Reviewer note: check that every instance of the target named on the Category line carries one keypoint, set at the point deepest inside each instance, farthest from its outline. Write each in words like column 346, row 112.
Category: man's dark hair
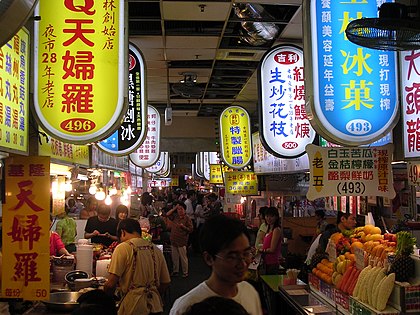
column 181, row 203
column 128, row 225
column 216, row 305
column 219, row 231
column 104, row 209
column 191, row 193
column 342, row 215
column 320, row 213
column 263, row 210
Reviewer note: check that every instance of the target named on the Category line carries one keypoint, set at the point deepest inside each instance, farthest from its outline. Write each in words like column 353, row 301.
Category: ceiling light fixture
column 202, row 7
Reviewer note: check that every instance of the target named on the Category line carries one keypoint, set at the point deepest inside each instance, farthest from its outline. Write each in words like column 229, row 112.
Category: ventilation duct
column 255, row 33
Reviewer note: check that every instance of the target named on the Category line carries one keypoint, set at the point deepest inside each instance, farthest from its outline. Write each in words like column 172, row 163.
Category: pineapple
column 403, row 265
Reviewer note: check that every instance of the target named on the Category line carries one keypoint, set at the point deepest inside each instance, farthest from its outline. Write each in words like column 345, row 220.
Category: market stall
column 367, row 272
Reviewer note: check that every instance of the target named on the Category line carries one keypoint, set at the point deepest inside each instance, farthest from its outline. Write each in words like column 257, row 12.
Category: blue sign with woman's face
column 351, row 91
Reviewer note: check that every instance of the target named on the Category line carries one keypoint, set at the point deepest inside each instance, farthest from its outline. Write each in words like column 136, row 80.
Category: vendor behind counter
column 302, row 231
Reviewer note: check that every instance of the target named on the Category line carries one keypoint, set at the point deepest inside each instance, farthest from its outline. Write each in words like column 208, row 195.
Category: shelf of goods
column 365, row 272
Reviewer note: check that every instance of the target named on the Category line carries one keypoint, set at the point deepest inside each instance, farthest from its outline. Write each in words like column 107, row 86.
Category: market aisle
column 198, row 272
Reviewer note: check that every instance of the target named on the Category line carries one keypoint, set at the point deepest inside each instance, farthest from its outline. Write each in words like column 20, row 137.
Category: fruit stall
column 366, row 272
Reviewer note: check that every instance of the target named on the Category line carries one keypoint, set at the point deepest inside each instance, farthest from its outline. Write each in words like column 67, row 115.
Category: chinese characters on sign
column 149, row 151
column 351, row 91
column 80, row 68
column 14, row 92
column 216, row 174
column 243, row 183
column 284, row 126
column 129, row 136
column 26, row 223
column 160, row 164
column 56, row 149
column 410, row 83
column 265, row 163
column 235, row 137
column 350, row 171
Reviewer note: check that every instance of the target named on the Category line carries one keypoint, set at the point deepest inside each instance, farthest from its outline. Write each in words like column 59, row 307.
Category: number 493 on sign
column 413, row 169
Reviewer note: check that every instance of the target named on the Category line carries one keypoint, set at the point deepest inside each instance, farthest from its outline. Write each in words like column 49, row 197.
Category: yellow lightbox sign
column 26, row 229
column 67, row 152
column 235, row 137
column 242, row 183
column 174, row 181
column 81, row 53
column 14, row 92
column 216, row 174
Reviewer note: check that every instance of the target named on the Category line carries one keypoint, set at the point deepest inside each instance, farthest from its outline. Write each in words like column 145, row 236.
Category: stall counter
column 297, row 297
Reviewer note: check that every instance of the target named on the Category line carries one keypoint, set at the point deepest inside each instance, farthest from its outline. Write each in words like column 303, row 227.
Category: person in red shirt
column 57, row 247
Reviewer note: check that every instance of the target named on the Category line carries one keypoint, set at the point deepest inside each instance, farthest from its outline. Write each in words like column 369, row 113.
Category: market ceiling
column 206, row 42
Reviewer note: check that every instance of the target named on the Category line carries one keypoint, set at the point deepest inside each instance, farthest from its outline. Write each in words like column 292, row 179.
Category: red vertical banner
column 26, row 224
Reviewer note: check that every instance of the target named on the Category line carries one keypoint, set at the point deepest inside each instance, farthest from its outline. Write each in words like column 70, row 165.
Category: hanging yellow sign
column 14, row 95
column 81, row 52
column 242, row 183
column 216, row 174
column 26, row 229
column 174, row 181
column 235, row 137
column 67, row 152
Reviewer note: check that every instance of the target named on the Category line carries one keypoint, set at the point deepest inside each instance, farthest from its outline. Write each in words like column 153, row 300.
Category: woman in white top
column 262, row 230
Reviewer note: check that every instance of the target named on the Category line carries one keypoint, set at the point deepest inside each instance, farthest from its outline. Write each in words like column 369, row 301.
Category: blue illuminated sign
column 351, row 91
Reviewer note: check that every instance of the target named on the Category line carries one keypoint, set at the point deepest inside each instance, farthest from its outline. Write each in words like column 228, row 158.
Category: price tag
column 331, row 251
column 413, row 170
column 359, row 255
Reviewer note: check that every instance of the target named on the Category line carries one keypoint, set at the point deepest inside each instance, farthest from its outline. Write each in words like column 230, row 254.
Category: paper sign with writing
column 350, row 171
column 26, row 229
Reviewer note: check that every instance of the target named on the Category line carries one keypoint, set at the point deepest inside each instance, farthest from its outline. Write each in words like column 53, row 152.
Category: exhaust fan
column 393, row 30
column 255, row 33
column 188, row 87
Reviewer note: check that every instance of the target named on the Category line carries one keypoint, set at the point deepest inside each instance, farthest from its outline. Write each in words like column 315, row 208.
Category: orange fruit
column 356, row 245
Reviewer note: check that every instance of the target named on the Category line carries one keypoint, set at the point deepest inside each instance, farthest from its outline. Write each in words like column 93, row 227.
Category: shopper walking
column 180, row 226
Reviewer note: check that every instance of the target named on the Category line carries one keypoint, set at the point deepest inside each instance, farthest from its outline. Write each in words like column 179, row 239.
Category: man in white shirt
column 191, row 196
column 226, row 249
